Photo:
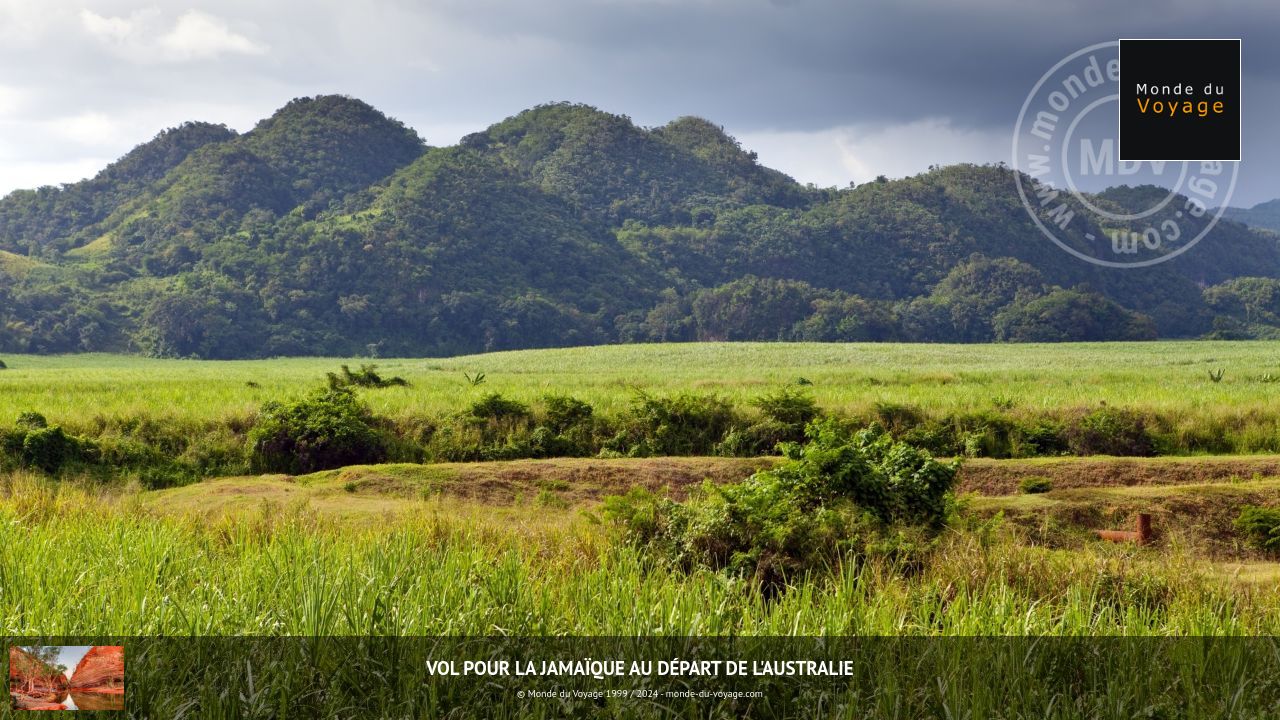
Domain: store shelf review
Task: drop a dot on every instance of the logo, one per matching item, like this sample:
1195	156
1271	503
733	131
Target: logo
1180	100
1083	197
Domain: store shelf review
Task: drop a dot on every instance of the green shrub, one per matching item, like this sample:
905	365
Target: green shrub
34	443
984	434
898	417
569	429
155	464
1003	402
494	428
215	455
366	377
1110	431
785	415
11	446
838	493
979	443
1260	527
32	420
457	441
495	407
3	366
936	436
565	413
762	438
50	448
788	406
1043	436
684	424
328	429
541	442
1035	484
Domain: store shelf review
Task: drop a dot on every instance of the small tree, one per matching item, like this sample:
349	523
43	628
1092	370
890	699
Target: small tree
835	494
328	429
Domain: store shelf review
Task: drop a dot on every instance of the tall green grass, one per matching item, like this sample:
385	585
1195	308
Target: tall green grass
77	563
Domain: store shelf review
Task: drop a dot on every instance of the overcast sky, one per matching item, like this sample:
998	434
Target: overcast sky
828	91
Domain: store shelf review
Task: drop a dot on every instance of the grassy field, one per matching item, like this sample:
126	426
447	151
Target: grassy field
315	561
1171	377
520	548
314	557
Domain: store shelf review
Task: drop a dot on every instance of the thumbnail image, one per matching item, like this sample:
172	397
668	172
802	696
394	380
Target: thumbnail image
66	677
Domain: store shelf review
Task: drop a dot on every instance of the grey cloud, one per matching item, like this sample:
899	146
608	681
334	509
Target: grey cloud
753	65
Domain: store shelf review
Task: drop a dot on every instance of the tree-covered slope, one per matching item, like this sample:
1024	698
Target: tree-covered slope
31	220
331	229
609	168
308	156
1263	215
455	252
331	145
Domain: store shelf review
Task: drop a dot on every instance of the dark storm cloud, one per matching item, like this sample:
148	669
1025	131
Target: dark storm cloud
810	65
87	79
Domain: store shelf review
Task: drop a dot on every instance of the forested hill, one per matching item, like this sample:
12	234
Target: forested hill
1264	215
331	229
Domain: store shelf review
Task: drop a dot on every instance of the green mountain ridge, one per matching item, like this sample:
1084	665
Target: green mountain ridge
332	229
1265	215
31	220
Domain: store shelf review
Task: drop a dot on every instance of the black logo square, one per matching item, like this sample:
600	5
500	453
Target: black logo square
1179	100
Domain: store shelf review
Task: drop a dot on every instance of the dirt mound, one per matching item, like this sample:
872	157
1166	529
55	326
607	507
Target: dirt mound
1001	477
593	479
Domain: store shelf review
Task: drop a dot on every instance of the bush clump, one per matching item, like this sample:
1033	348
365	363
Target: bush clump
1260	526
568	429
495	407
328	429
33	443
784	416
1042	436
31	420
49	448
1035	484
367	377
565	413
1110	431
898	417
788	406
494	428
840	492
684	424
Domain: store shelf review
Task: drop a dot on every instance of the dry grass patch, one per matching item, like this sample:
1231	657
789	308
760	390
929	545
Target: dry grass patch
1001	477
376	489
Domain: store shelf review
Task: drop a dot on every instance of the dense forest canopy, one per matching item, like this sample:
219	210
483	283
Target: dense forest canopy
332	229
